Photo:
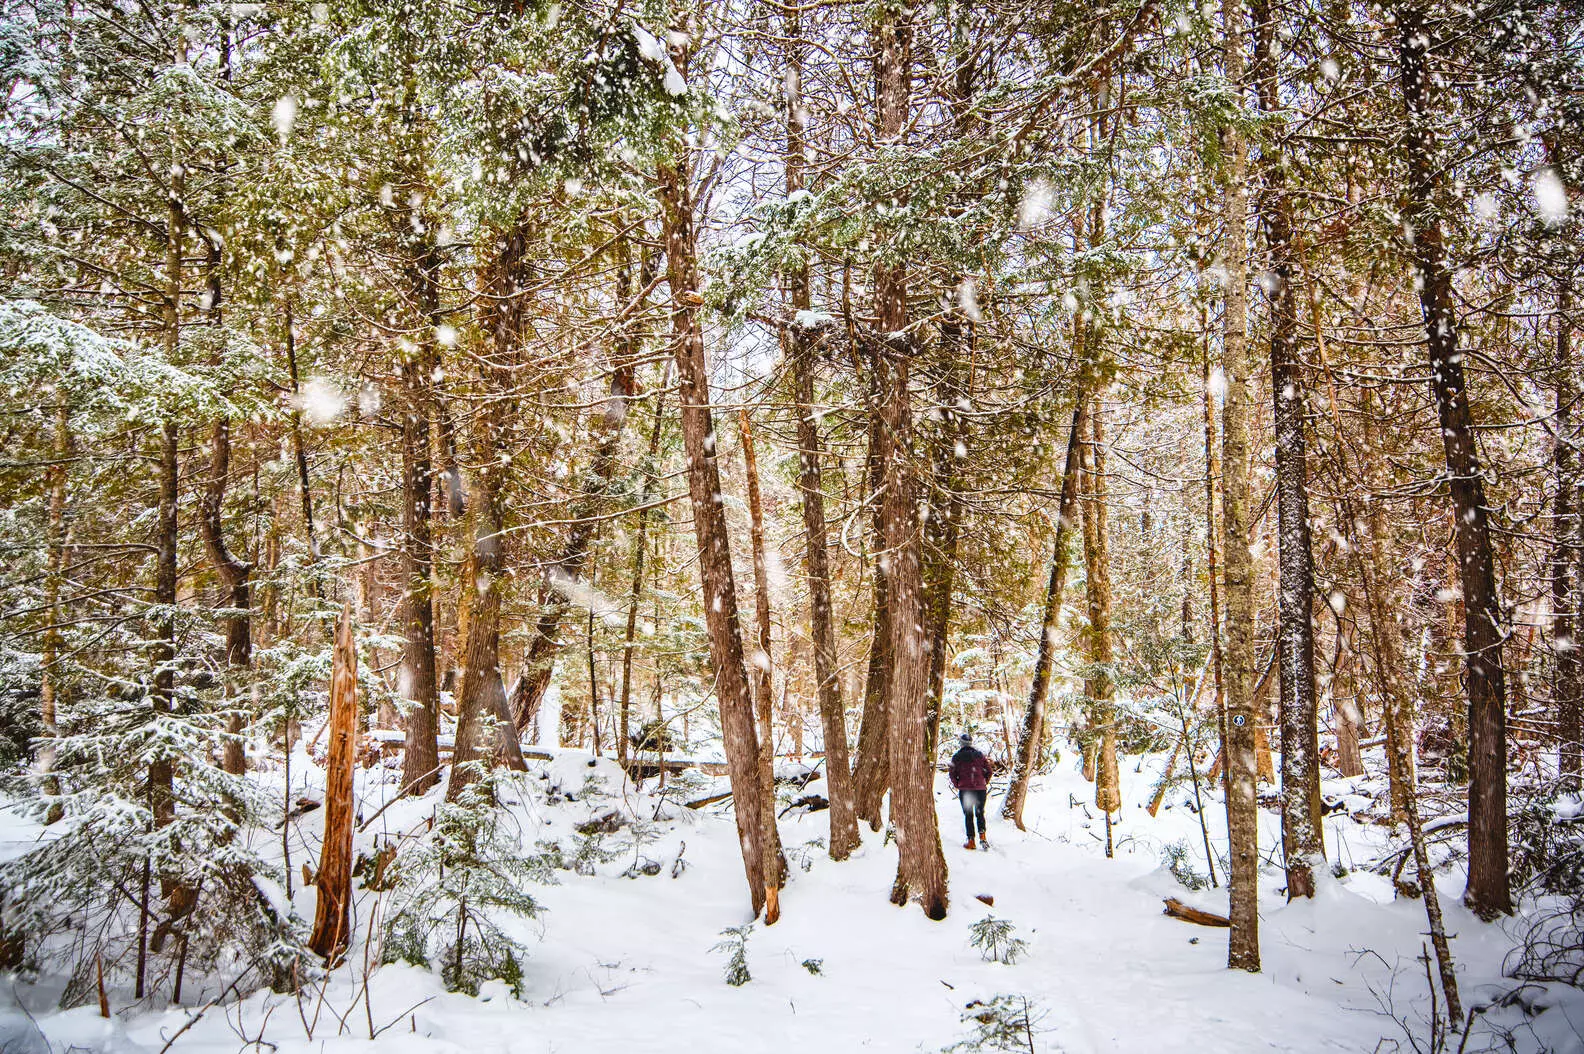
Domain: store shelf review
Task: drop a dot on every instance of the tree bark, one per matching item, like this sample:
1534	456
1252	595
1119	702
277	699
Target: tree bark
1031	741
1302	835
1488	893
1241	765
333	914
709	523
921	866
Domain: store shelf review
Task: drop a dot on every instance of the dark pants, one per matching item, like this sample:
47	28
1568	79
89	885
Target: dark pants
973	803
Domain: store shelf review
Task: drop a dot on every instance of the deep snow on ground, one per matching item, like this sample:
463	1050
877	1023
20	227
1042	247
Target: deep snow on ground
625	964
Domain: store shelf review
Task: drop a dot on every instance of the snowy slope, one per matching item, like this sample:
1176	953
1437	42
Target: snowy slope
625	964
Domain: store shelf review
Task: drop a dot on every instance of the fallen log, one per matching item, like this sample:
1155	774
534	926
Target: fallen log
699	803
1178	910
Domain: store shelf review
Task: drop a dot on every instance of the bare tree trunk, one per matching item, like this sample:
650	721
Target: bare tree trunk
763	680
709	525
332	927
1031	742
1241	765
1488	894
299	453
921	866
1302	835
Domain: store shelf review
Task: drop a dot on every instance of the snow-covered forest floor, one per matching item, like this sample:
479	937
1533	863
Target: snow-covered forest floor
621	960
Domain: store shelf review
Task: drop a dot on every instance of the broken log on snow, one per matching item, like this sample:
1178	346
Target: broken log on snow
1178	910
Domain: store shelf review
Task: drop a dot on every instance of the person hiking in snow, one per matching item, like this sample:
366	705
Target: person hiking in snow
970	775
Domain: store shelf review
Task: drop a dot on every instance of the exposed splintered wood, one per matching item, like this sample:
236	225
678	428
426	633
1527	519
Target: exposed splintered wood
333	916
1178	910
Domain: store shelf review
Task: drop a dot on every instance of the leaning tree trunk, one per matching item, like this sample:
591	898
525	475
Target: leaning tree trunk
1241	764
871	765
709	528
1488	893
921	866
1031	741
1302	835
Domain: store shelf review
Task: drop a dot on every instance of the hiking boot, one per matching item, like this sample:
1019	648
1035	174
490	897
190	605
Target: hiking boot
969	844
984	843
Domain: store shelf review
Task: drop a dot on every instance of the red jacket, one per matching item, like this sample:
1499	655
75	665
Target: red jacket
970	770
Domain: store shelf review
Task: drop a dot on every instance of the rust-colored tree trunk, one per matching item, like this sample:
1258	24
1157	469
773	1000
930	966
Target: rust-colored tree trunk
921	866
1031	740
333	916
763	668
1488	893
1097	587
741	741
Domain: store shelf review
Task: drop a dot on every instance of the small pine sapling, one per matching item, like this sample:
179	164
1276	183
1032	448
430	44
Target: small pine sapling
1005	1023
995	941
451	889
735	948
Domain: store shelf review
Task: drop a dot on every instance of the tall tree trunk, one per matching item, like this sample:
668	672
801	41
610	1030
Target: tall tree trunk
833	720
921	866
421	761
741	741
1031	741
1302	835
332	927
1567	554
1241	764
763	679
1488	893
1097	586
